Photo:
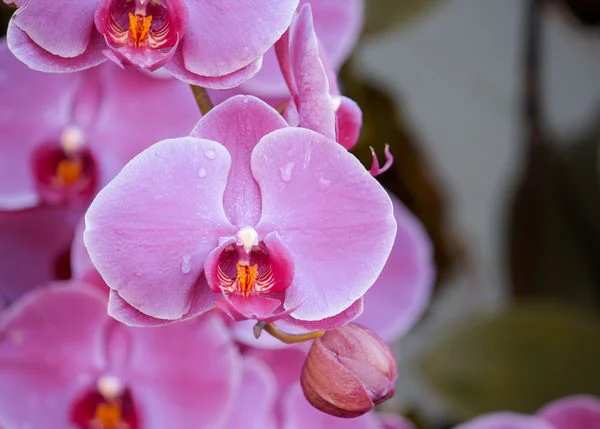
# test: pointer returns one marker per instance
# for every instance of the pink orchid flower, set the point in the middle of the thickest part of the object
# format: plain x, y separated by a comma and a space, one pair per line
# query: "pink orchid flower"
79, 129
61, 139
263, 219
213, 43
65, 364
573, 412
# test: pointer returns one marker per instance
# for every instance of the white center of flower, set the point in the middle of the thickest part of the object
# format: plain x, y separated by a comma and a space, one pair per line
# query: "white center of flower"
72, 139
247, 237
110, 387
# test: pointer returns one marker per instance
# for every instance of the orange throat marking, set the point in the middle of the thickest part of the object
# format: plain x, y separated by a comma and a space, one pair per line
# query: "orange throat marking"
108, 415
139, 27
246, 277
68, 171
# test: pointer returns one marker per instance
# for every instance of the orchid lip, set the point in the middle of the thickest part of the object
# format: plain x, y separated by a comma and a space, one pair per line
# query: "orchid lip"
141, 24
64, 171
109, 405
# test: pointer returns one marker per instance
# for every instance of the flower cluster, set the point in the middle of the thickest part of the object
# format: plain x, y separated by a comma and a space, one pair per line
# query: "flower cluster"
147, 246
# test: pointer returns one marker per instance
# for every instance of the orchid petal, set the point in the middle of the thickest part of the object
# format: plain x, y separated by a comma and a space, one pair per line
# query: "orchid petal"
33, 367
224, 36
35, 57
257, 382
573, 412
338, 25
177, 67
114, 140
341, 319
401, 294
184, 374
238, 124
33, 244
329, 212
286, 363
306, 76
150, 229
348, 121
61, 27
21, 133
202, 300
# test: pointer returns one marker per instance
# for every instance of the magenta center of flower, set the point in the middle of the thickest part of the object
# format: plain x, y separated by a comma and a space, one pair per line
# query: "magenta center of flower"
66, 171
107, 406
140, 23
244, 268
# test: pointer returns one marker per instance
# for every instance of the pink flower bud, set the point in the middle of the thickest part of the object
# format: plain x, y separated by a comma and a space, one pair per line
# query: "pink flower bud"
348, 371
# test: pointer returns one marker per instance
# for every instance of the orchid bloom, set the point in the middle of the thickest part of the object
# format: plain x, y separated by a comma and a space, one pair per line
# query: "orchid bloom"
62, 137
65, 364
213, 43
79, 129
574, 412
264, 220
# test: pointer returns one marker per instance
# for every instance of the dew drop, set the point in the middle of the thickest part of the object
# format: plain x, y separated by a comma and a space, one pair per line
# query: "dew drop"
210, 154
286, 172
324, 183
186, 264
202, 172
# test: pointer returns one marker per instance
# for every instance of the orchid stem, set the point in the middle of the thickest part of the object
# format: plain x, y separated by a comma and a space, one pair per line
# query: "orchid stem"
202, 99
284, 336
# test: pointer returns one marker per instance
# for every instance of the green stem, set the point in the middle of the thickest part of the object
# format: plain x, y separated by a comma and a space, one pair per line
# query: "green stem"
284, 336
202, 99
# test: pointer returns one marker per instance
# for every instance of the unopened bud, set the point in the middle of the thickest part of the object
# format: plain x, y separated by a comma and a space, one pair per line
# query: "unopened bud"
348, 371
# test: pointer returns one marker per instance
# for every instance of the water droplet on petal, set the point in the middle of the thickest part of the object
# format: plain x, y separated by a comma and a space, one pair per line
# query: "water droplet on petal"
186, 264
324, 183
286, 172
210, 154
138, 271
202, 172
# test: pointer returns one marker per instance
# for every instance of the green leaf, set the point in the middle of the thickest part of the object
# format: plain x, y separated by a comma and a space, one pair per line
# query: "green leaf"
517, 360
383, 15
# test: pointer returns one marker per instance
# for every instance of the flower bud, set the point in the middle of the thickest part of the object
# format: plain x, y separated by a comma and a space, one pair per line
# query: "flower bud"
348, 371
